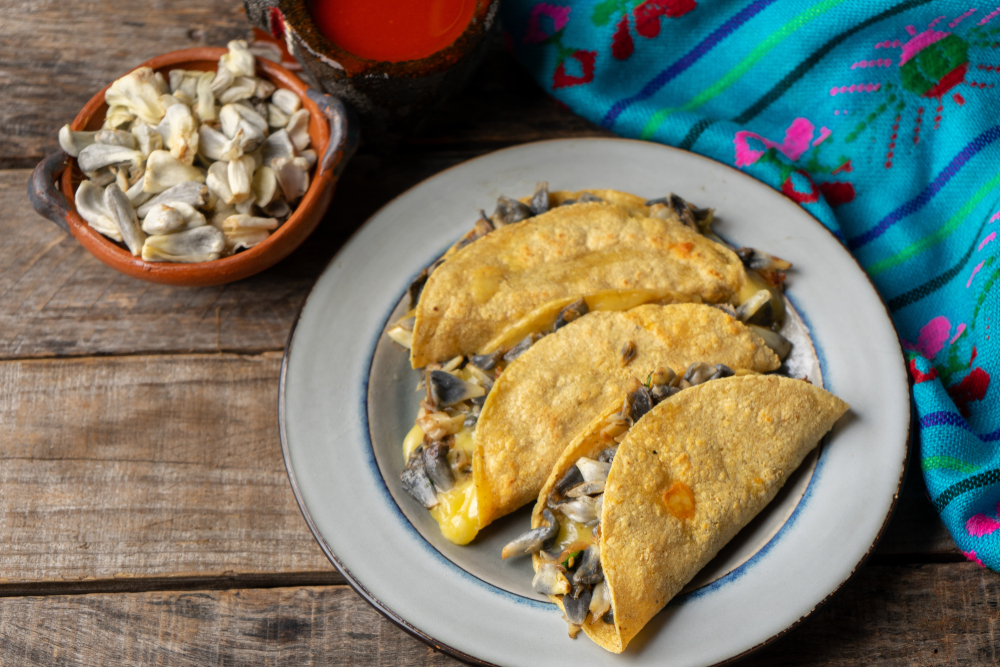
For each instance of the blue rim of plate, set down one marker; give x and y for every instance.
(732, 575)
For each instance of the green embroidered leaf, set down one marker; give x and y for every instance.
(603, 12)
(951, 365)
(985, 289)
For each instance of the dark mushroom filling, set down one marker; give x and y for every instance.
(438, 449)
(761, 301)
(568, 543)
(766, 273)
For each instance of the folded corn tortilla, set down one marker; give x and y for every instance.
(568, 252)
(545, 396)
(731, 442)
(628, 201)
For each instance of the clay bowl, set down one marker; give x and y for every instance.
(54, 182)
(389, 98)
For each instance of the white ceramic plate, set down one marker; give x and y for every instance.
(347, 399)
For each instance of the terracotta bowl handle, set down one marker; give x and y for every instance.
(343, 135)
(45, 197)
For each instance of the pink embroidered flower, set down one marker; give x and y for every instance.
(587, 59)
(971, 555)
(933, 336)
(980, 525)
(797, 138)
(535, 33)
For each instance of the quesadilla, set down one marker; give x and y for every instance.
(523, 275)
(543, 396)
(604, 247)
(619, 529)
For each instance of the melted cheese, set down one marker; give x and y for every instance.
(753, 285)
(412, 441)
(457, 513)
(571, 532)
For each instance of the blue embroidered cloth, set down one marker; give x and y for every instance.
(881, 119)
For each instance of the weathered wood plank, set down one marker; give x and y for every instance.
(898, 615)
(165, 467)
(502, 106)
(286, 626)
(132, 472)
(915, 531)
(56, 55)
(57, 300)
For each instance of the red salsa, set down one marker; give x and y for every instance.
(392, 30)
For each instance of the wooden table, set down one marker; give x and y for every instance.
(145, 513)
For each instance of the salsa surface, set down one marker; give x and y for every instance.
(392, 30)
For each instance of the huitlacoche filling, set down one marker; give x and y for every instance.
(438, 449)
(568, 542)
(760, 302)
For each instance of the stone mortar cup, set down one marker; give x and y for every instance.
(388, 98)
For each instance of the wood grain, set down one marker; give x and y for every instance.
(135, 472)
(916, 533)
(57, 300)
(888, 615)
(55, 55)
(165, 468)
(140, 459)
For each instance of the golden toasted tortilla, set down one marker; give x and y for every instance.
(628, 201)
(559, 384)
(568, 252)
(687, 477)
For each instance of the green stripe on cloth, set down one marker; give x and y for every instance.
(741, 68)
(948, 462)
(974, 482)
(943, 232)
(802, 68)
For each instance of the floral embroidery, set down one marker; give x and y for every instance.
(534, 33)
(560, 79)
(980, 525)
(797, 138)
(932, 338)
(972, 388)
(971, 555)
(646, 16)
(918, 375)
(837, 192)
(622, 44)
(925, 75)
(796, 183)
(790, 188)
